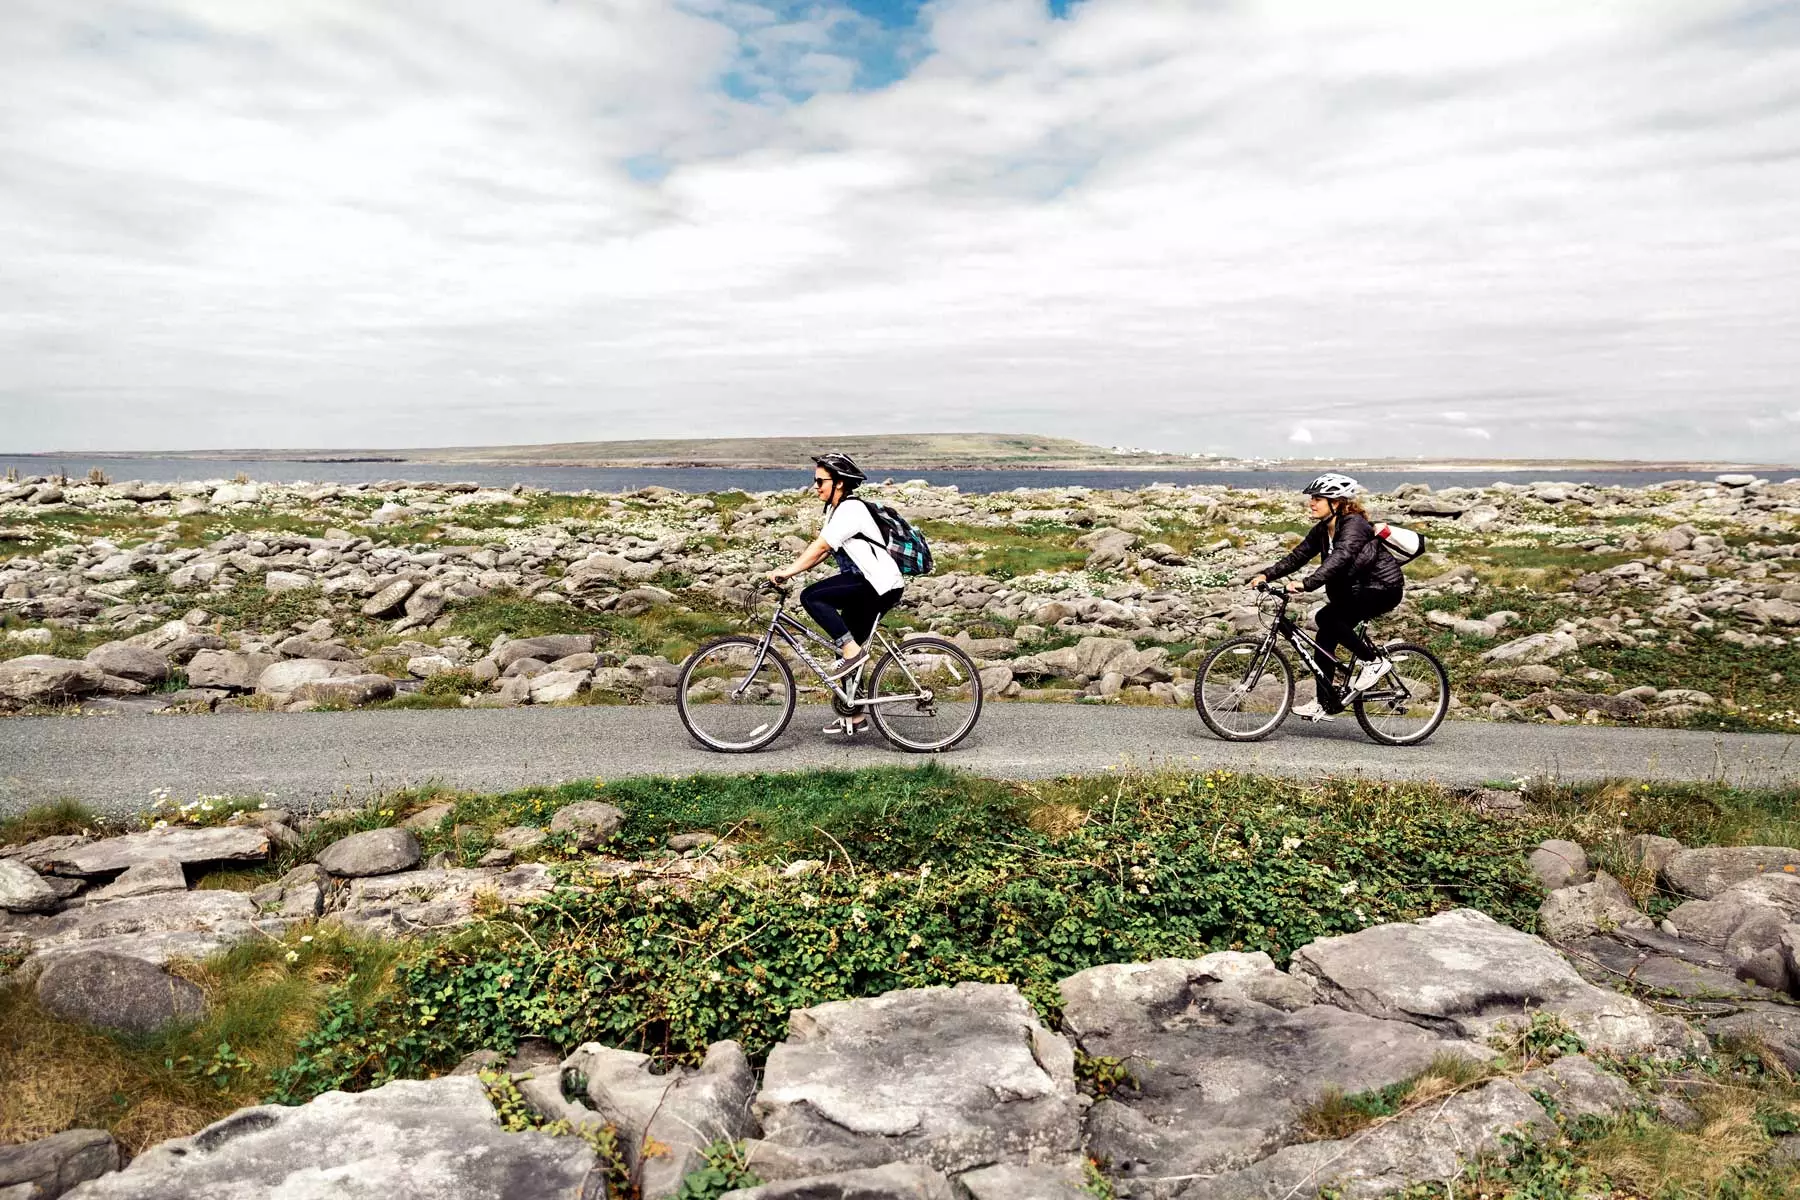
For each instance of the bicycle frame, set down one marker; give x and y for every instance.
(796, 635)
(1303, 643)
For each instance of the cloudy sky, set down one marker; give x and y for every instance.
(1491, 227)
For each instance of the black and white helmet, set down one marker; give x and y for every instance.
(841, 468)
(1333, 486)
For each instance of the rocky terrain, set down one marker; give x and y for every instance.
(1396, 1055)
(1677, 605)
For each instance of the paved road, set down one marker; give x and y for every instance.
(113, 762)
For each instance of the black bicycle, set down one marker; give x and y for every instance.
(737, 694)
(1245, 688)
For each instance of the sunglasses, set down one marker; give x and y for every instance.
(822, 481)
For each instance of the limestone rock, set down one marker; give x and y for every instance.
(1049, 1181)
(1705, 872)
(547, 649)
(51, 1166)
(1589, 908)
(287, 677)
(136, 663)
(117, 991)
(1431, 1143)
(1227, 1051)
(146, 878)
(24, 890)
(1579, 1088)
(1680, 966)
(894, 1181)
(1743, 919)
(232, 669)
(184, 844)
(1651, 852)
(591, 821)
(435, 1138)
(551, 687)
(685, 1110)
(1558, 863)
(387, 601)
(953, 1078)
(154, 928)
(46, 679)
(1462, 972)
(371, 852)
(422, 901)
(366, 688)
(1532, 648)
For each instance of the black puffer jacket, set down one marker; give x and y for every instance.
(1355, 561)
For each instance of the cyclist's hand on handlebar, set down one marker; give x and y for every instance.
(1259, 582)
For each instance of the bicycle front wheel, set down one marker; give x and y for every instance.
(735, 695)
(927, 696)
(1407, 704)
(1244, 689)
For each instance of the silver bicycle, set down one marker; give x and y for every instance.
(737, 694)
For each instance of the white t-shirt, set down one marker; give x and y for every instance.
(843, 524)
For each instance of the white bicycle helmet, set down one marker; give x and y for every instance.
(1333, 486)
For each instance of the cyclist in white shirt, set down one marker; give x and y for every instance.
(868, 582)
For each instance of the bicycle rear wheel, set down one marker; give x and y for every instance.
(1408, 704)
(734, 696)
(926, 697)
(1241, 694)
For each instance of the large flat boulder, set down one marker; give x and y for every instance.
(286, 678)
(951, 1078)
(233, 669)
(1465, 974)
(438, 1138)
(183, 844)
(1707, 871)
(46, 679)
(155, 928)
(1653, 959)
(684, 1110)
(1226, 1052)
(136, 663)
(412, 902)
(1432, 1143)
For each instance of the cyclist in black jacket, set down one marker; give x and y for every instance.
(1361, 580)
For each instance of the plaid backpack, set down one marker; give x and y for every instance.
(912, 553)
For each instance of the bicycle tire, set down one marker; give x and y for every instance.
(761, 738)
(884, 720)
(1277, 661)
(1375, 697)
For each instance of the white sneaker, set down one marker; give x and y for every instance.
(1312, 710)
(845, 727)
(1371, 674)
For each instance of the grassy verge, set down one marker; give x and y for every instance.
(921, 877)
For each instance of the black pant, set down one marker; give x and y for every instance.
(1340, 617)
(846, 607)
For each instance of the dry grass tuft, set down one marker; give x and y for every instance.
(1056, 820)
(1653, 1159)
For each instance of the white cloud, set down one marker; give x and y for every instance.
(1301, 436)
(337, 223)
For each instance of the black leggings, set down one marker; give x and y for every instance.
(847, 607)
(1338, 621)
